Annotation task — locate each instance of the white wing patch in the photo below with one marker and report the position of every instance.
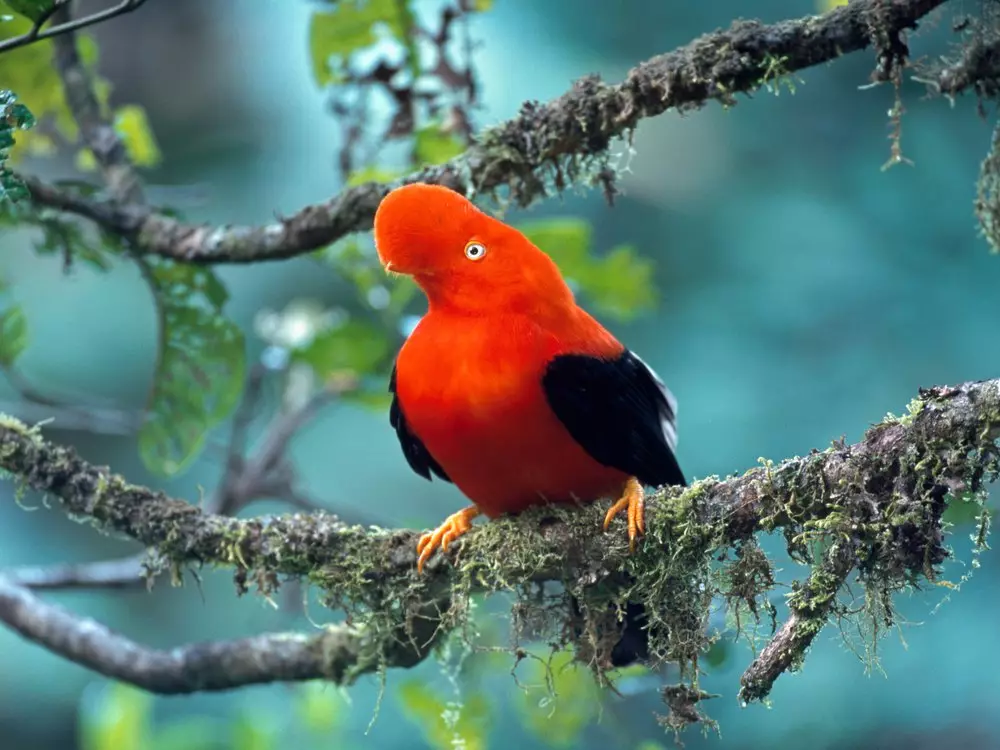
(668, 422)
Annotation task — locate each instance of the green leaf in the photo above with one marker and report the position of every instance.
(251, 732)
(349, 27)
(717, 654)
(69, 239)
(115, 716)
(193, 733)
(620, 284)
(355, 346)
(447, 725)
(432, 145)
(33, 9)
(13, 117)
(200, 371)
(318, 707)
(13, 334)
(373, 174)
(559, 715)
(13, 331)
(132, 126)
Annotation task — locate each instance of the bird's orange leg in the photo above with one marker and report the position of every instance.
(634, 499)
(453, 527)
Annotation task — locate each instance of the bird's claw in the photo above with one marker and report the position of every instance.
(453, 527)
(634, 500)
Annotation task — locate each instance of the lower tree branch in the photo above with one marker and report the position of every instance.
(340, 653)
(876, 505)
(545, 145)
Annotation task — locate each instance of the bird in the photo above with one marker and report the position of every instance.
(506, 387)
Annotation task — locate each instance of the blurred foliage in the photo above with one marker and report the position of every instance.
(560, 698)
(13, 329)
(348, 27)
(29, 71)
(32, 9)
(620, 284)
(447, 724)
(434, 144)
(13, 117)
(115, 716)
(133, 128)
(200, 367)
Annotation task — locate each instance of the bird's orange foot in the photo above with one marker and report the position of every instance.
(453, 527)
(634, 499)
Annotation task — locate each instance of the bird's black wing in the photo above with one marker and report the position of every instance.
(619, 411)
(416, 453)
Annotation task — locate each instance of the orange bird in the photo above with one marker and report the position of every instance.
(506, 387)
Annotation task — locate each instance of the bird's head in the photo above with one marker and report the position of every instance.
(461, 257)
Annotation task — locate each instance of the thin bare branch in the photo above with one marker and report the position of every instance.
(96, 128)
(96, 420)
(35, 33)
(126, 572)
(546, 145)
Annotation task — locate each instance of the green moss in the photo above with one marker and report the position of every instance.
(775, 74)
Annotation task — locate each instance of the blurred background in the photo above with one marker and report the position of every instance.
(788, 290)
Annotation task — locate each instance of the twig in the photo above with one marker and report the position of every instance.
(35, 33)
(340, 653)
(99, 421)
(564, 140)
(123, 573)
(266, 473)
(811, 607)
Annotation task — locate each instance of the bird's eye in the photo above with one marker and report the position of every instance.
(475, 251)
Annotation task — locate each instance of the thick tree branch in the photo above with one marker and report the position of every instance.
(878, 502)
(546, 145)
(340, 653)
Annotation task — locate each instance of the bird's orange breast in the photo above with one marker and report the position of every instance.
(471, 391)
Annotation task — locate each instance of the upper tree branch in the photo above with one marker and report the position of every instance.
(879, 502)
(545, 144)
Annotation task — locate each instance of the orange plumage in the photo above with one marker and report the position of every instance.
(507, 387)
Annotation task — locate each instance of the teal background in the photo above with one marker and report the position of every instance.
(804, 293)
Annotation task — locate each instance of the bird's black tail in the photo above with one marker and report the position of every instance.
(633, 646)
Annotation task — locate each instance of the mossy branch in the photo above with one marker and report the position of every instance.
(873, 508)
(547, 146)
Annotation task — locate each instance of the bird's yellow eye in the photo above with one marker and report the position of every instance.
(475, 251)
